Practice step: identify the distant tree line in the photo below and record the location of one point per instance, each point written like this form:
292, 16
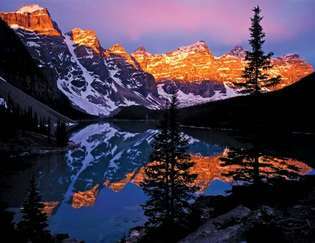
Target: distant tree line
14, 118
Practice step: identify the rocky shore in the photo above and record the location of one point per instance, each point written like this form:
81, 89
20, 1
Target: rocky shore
284, 212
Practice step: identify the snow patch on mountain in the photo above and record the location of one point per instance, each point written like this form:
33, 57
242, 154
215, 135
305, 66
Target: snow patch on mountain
2, 79
30, 9
197, 46
3, 103
17, 27
190, 99
82, 99
32, 44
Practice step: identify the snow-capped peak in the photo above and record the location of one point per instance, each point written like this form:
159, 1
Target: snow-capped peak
117, 49
141, 51
86, 38
238, 51
32, 18
31, 8
199, 45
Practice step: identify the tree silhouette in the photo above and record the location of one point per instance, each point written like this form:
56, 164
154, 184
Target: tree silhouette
49, 129
258, 63
61, 134
252, 166
167, 180
7, 226
33, 225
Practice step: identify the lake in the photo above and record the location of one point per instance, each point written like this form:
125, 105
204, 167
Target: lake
92, 190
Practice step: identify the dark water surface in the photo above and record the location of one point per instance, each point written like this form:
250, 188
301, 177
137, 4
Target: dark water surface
92, 191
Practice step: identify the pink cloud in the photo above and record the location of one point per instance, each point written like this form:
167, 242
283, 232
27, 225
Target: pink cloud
166, 24
226, 20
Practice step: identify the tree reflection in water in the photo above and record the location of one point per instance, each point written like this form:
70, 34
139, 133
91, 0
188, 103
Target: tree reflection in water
252, 166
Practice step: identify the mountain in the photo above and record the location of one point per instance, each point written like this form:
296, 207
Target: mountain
22, 79
20, 71
32, 18
101, 81
96, 81
199, 75
26, 101
196, 63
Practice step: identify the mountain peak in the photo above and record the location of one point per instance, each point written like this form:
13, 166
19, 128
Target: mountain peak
31, 8
118, 46
116, 49
31, 18
141, 51
197, 46
238, 51
88, 38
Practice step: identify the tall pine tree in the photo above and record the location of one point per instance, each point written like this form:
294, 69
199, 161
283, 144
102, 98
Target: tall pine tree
167, 180
258, 63
33, 225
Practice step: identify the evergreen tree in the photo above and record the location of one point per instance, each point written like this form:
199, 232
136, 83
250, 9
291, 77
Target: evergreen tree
29, 118
35, 121
167, 180
258, 63
15, 119
33, 225
49, 129
61, 134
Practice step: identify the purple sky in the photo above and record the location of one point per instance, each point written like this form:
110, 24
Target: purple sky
162, 25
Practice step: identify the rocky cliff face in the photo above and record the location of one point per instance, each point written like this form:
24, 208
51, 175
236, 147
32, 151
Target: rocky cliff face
198, 76
196, 63
187, 64
32, 18
86, 38
126, 69
291, 68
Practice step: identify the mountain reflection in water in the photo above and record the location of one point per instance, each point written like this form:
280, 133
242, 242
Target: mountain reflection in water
92, 191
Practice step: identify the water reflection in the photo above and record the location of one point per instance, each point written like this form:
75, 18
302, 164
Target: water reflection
211, 168
92, 191
252, 166
86, 198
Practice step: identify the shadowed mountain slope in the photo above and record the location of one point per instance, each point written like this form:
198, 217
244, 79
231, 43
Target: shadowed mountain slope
289, 109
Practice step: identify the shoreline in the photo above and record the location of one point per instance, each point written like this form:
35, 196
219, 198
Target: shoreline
27, 151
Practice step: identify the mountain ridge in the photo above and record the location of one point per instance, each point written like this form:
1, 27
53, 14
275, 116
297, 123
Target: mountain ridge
100, 81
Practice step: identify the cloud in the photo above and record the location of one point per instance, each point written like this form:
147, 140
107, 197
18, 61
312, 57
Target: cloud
227, 21
165, 24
